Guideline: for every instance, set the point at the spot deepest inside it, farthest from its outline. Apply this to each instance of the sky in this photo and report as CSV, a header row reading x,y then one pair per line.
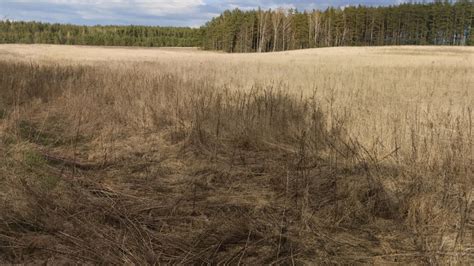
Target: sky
x,y
192,13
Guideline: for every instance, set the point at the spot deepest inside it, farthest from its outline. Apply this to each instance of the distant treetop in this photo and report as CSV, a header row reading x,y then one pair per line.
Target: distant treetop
x,y
433,23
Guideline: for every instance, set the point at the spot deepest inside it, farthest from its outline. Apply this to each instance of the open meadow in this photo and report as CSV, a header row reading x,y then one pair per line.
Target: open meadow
x,y
176,155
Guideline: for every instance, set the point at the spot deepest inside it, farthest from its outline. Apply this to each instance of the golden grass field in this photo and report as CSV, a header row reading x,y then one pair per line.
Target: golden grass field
x,y
176,155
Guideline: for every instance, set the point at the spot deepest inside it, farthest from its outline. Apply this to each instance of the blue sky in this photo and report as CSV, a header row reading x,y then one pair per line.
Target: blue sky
x,y
192,13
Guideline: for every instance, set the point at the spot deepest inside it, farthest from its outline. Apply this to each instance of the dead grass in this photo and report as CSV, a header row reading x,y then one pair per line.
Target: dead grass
x,y
306,157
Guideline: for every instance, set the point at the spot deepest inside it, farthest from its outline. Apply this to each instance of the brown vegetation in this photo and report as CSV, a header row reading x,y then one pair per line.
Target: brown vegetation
x,y
168,162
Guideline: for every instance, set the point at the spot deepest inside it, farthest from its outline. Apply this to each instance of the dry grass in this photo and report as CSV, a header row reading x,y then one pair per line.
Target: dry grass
x,y
147,156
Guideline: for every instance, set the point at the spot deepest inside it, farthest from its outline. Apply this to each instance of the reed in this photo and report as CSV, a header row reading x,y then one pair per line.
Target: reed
x,y
151,163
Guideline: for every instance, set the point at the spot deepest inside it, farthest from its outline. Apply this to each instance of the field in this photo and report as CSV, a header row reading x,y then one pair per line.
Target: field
x,y
320,156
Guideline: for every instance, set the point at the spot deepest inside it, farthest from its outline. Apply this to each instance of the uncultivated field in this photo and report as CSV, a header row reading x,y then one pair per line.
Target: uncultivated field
x,y
321,156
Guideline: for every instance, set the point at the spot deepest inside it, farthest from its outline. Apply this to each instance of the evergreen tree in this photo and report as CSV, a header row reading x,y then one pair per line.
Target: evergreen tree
x,y
441,22
37,32
436,23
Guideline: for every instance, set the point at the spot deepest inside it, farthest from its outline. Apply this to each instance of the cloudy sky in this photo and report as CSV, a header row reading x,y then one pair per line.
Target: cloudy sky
x,y
149,12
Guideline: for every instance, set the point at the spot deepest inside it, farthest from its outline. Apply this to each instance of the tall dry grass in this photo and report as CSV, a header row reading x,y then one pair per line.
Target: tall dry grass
x,y
193,160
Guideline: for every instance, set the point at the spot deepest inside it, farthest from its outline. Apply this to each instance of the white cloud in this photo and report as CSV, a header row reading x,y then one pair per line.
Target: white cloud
x,y
166,12
150,12
150,7
162,7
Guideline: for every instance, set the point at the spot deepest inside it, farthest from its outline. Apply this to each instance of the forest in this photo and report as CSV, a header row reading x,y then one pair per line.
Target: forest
x,y
147,36
236,31
435,23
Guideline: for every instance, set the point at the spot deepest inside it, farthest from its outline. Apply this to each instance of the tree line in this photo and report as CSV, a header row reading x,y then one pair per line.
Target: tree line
x,y
37,32
434,23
